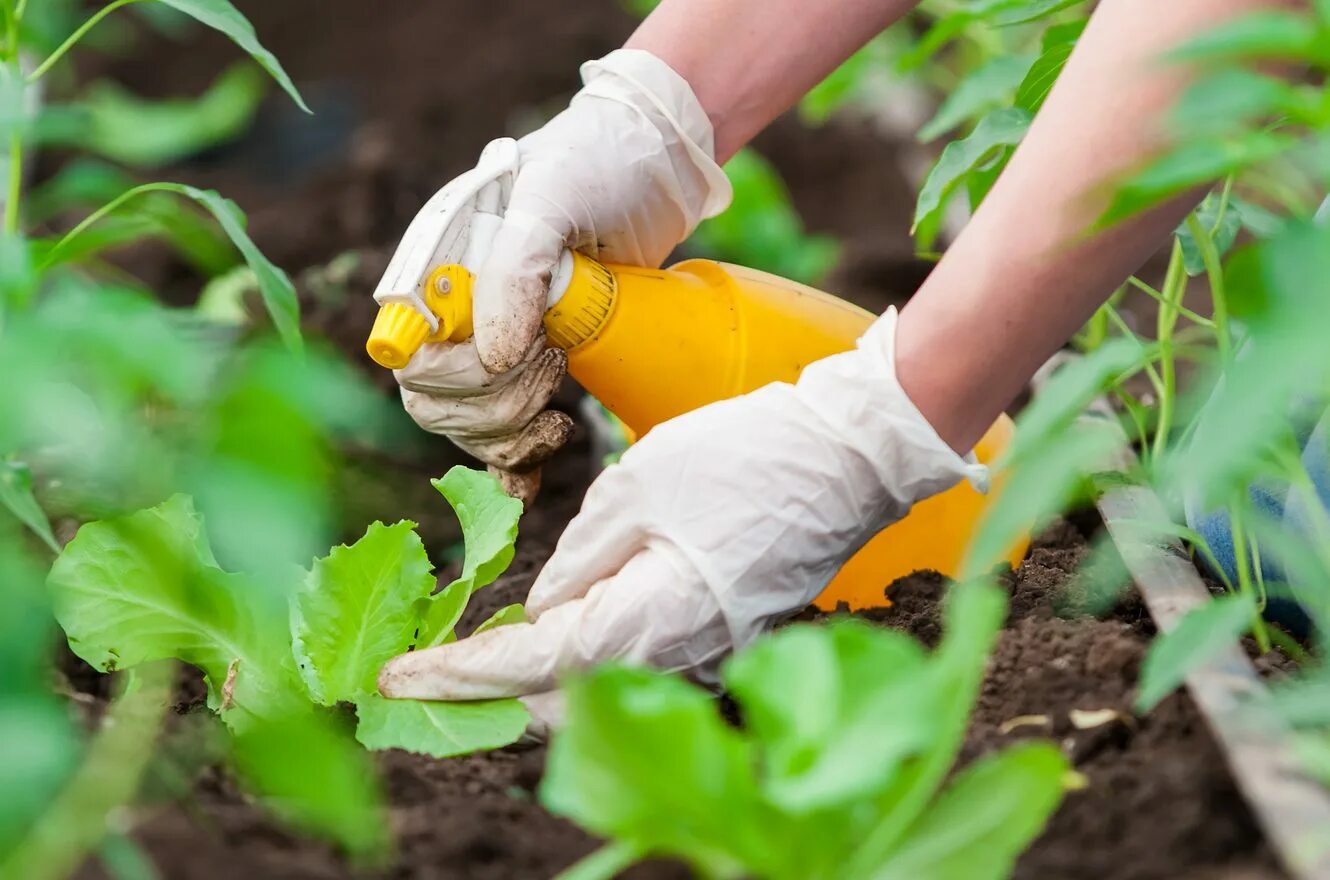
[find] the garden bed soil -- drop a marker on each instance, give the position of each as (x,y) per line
(408,93)
(1159,803)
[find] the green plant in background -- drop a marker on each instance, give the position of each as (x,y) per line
(1003,58)
(146,587)
(113,403)
(1260,368)
(761,229)
(842,767)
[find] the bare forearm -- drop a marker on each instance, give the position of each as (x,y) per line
(1024,275)
(748,61)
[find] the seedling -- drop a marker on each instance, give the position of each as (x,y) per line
(839,768)
(146,587)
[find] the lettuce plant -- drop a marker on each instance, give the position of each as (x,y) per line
(840,769)
(146,587)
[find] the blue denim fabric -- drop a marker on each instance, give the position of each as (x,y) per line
(1295,509)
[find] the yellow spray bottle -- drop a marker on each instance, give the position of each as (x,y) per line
(654,344)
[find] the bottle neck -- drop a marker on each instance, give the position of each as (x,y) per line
(582,299)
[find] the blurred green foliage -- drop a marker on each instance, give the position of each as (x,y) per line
(761,229)
(1259,365)
(839,771)
(115,402)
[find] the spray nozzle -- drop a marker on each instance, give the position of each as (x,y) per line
(401,328)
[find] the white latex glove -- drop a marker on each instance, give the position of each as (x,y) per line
(714,526)
(624,174)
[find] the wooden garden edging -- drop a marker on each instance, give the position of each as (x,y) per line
(1292,808)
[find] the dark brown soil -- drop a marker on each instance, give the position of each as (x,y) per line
(407,93)
(1160,802)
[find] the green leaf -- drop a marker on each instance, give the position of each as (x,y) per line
(489,528)
(997,130)
(441,730)
(41,750)
(646,759)
(16,496)
(145,587)
(19,279)
(1036,490)
(1223,230)
(505,616)
(1274,286)
(1198,637)
(1032,10)
(279,294)
(157,214)
(133,131)
(849,730)
(42,741)
(312,775)
(123,858)
(985,819)
(986,88)
(836,710)
(357,610)
(974,612)
(1261,35)
(221,15)
(79,183)
(1057,47)
(1048,460)
(1190,165)
(1228,102)
(222,300)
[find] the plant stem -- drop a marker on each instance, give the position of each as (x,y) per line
(74,38)
(14,190)
(112,768)
(605,863)
(1242,562)
(1175,284)
(1214,273)
(1155,382)
(1289,645)
(11,30)
(1159,298)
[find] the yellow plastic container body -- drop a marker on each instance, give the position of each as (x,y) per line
(654,344)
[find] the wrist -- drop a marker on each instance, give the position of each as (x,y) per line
(665,100)
(859,395)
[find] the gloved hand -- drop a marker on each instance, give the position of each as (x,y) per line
(714,526)
(624,174)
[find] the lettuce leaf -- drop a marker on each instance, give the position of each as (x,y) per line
(146,587)
(441,730)
(489,528)
(357,610)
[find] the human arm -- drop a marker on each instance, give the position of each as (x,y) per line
(748,61)
(1026,272)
